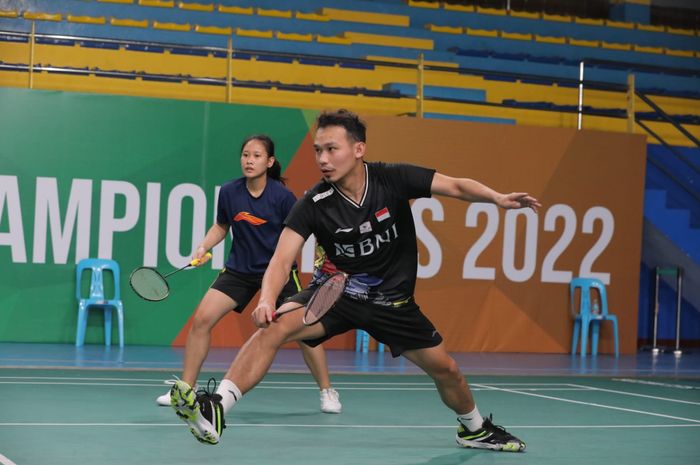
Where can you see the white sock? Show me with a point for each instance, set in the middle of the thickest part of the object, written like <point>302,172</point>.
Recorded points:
<point>230,394</point>
<point>472,420</point>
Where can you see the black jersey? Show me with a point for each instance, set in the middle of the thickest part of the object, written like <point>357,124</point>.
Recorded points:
<point>374,240</point>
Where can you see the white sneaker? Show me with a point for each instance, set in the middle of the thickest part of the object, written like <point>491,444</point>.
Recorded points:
<point>164,400</point>
<point>330,401</point>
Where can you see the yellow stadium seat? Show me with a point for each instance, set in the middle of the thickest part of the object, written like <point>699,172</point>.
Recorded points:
<point>366,17</point>
<point>8,14</point>
<point>38,16</point>
<point>213,30</point>
<point>293,36</point>
<point>550,40</point>
<point>584,43</point>
<point>526,14</point>
<point>171,26</point>
<point>389,41</point>
<point>684,32</point>
<point>559,18</point>
<point>444,29</point>
<point>409,61</point>
<point>311,16</point>
<point>515,36</point>
<point>649,27</point>
<point>116,1</point>
<point>423,4</point>
<point>274,13</point>
<point>490,11</point>
<point>158,3</point>
<point>333,40</point>
<point>235,10</point>
<point>457,7</point>
<point>615,46</point>
<point>254,33</point>
<point>619,24</point>
<point>589,21</point>
<point>87,19</point>
<point>143,23</point>
<point>644,49</point>
<point>196,6</point>
<point>481,32</point>
<point>679,53</point>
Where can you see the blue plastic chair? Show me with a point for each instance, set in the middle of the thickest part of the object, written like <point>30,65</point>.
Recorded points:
<point>362,342</point>
<point>588,316</point>
<point>97,298</point>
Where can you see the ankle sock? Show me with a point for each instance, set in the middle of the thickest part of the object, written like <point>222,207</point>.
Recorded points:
<point>472,420</point>
<point>229,392</point>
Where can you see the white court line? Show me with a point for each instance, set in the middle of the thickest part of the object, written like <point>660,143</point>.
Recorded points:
<point>388,387</point>
<point>655,383</point>
<point>591,404</point>
<point>375,426</point>
<point>310,383</point>
<point>201,382</point>
<point>5,461</point>
<point>305,386</point>
<point>647,396</point>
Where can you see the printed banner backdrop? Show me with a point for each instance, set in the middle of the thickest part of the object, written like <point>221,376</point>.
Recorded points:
<point>135,179</point>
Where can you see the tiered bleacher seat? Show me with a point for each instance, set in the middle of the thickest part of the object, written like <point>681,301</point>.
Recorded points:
<point>365,48</point>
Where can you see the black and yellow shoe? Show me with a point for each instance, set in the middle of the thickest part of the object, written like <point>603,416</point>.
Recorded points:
<point>202,411</point>
<point>489,436</point>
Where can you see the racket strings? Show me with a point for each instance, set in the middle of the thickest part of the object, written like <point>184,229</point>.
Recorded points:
<point>149,284</point>
<point>324,298</point>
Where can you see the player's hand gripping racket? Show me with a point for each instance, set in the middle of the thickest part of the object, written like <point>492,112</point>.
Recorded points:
<point>150,285</point>
<point>322,300</point>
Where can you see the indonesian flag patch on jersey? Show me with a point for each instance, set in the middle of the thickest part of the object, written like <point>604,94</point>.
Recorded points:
<point>382,214</point>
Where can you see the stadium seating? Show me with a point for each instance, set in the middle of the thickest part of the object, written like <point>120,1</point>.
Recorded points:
<point>527,63</point>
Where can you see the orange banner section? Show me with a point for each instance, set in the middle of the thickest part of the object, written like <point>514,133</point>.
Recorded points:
<point>497,281</point>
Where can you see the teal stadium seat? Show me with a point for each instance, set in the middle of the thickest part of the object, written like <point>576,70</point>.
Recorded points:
<point>97,299</point>
<point>590,314</point>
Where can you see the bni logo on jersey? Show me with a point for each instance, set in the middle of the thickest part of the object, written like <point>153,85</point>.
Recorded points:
<point>368,245</point>
<point>382,214</point>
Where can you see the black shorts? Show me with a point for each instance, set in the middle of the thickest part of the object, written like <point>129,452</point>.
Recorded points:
<point>242,287</point>
<point>401,328</point>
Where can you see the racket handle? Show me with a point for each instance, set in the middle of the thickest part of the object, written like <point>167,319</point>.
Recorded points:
<point>275,315</point>
<point>195,262</point>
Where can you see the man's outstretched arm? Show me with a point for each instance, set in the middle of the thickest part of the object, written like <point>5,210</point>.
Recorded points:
<point>474,191</point>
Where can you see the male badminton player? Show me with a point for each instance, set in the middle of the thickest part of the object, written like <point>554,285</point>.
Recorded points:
<point>360,215</point>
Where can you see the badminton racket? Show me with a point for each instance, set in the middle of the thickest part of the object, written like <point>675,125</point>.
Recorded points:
<point>323,299</point>
<point>150,285</point>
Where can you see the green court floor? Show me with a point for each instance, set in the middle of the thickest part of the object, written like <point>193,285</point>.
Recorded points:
<point>100,417</point>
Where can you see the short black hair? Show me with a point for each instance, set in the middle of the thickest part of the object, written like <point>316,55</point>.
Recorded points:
<point>352,123</point>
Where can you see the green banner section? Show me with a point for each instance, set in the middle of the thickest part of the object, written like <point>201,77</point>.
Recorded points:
<point>132,179</point>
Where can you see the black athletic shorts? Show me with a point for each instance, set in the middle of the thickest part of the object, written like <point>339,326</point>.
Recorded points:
<point>242,287</point>
<point>401,328</point>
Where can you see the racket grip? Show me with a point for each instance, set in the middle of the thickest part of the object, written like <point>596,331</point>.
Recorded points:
<point>195,262</point>
<point>275,315</point>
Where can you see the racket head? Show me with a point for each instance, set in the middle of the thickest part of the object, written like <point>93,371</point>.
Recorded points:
<point>324,297</point>
<point>148,284</point>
